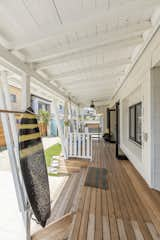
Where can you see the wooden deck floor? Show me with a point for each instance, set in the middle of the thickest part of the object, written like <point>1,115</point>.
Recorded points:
<point>128,209</point>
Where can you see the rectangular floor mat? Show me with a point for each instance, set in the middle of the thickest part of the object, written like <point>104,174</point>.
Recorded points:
<point>96,177</point>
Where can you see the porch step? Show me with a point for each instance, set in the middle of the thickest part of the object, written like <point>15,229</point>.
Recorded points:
<point>58,230</point>
<point>69,196</point>
<point>70,166</point>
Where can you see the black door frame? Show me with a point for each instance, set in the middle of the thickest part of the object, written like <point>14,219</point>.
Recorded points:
<point>118,156</point>
<point>109,123</point>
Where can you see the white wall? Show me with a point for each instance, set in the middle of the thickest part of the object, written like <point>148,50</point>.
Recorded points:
<point>137,86</point>
<point>155,127</point>
<point>132,149</point>
<point>103,110</point>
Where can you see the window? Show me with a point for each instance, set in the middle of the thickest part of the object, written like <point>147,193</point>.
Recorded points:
<point>60,107</point>
<point>135,123</point>
<point>13,98</point>
<point>132,123</point>
<point>43,106</point>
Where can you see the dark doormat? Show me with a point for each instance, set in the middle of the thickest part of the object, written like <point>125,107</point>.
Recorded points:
<point>96,177</point>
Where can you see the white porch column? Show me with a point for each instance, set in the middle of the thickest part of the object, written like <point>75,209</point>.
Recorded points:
<point>4,80</point>
<point>154,138</point>
<point>66,117</point>
<point>70,114</point>
<point>61,134</point>
<point>25,103</point>
<point>26,95</point>
<point>11,137</point>
<point>77,118</point>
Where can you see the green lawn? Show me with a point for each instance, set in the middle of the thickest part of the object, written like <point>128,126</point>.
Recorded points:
<point>54,150</point>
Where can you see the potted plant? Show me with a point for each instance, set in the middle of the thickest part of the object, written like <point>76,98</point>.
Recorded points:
<point>44,117</point>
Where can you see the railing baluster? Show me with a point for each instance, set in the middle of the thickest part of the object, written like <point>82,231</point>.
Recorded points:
<point>88,145</point>
<point>83,143</point>
<point>70,144</point>
<point>75,144</point>
<point>80,145</point>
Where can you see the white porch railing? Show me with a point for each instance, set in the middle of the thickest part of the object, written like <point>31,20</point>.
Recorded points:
<point>79,145</point>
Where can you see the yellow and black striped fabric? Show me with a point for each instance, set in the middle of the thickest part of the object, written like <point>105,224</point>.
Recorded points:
<point>29,135</point>
<point>33,166</point>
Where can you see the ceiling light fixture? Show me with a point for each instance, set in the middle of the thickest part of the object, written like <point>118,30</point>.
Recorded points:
<point>92,104</point>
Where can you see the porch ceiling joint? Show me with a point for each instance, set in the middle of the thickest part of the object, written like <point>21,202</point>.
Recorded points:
<point>14,64</point>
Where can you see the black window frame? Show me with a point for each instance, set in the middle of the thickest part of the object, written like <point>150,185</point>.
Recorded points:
<point>13,98</point>
<point>134,138</point>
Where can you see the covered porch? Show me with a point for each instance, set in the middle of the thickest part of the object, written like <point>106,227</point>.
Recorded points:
<point>91,68</point>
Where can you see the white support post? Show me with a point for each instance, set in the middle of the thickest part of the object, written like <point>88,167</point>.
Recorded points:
<point>88,144</point>
<point>11,136</point>
<point>26,96</point>
<point>70,114</point>
<point>25,103</point>
<point>55,110</point>
<point>79,145</point>
<point>75,144</point>
<point>83,144</point>
<point>8,106</point>
<point>66,118</point>
<point>77,118</point>
<point>70,144</point>
<point>11,151</point>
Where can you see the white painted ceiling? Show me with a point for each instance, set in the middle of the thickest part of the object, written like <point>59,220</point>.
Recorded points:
<point>83,47</point>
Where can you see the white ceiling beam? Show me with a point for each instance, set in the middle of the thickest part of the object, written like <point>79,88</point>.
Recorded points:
<point>3,41</point>
<point>100,49</point>
<point>100,39</point>
<point>96,88</point>
<point>99,17</point>
<point>99,82</point>
<point>14,64</point>
<point>93,79</point>
<point>98,67</point>
<point>108,53</point>
<point>106,73</point>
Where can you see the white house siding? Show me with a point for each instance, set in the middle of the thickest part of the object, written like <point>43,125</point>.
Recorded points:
<point>155,127</point>
<point>137,87</point>
<point>134,151</point>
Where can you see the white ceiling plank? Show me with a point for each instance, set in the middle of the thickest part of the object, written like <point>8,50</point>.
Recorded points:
<point>76,81</point>
<point>100,67</point>
<point>95,88</point>
<point>101,16</point>
<point>100,84</point>
<point>11,60</point>
<point>112,37</point>
<point>86,55</point>
<point>105,49</point>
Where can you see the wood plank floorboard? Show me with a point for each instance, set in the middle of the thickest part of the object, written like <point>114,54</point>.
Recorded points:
<point>127,210</point>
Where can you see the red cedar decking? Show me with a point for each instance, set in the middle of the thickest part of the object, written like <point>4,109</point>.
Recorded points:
<point>128,209</point>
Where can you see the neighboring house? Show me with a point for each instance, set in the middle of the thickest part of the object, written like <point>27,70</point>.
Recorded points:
<point>15,95</point>
<point>39,103</point>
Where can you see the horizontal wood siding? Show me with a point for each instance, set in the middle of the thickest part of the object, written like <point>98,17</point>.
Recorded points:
<point>2,138</point>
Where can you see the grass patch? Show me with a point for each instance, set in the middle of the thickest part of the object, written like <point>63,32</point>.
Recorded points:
<point>54,150</point>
